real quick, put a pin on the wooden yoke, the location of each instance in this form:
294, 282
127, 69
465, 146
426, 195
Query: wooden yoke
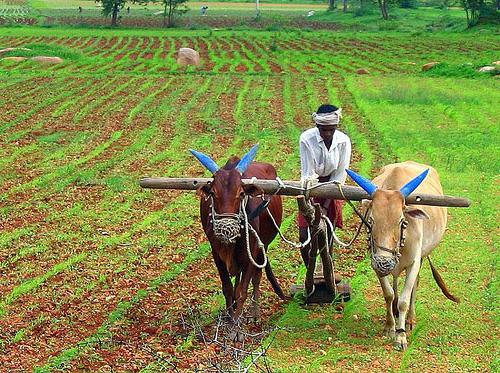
294, 188
317, 226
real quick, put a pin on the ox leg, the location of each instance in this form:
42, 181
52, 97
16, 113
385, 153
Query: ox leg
390, 322
255, 309
227, 285
241, 293
411, 319
404, 303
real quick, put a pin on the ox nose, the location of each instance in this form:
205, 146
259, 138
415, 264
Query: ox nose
383, 265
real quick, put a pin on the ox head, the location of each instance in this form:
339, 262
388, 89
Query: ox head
226, 193
388, 216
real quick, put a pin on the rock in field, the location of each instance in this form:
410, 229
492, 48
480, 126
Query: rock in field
188, 56
15, 59
429, 66
496, 63
362, 72
5, 50
46, 59
486, 69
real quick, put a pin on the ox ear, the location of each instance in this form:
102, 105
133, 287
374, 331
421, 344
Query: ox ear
366, 184
252, 190
204, 190
413, 184
416, 213
206, 161
247, 159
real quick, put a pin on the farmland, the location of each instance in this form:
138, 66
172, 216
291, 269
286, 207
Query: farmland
98, 274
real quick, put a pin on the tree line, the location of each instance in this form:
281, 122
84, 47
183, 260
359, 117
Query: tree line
477, 11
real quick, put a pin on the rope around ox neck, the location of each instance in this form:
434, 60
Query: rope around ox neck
248, 228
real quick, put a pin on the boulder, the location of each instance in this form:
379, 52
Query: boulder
486, 69
188, 56
429, 66
362, 72
15, 59
496, 63
46, 59
5, 50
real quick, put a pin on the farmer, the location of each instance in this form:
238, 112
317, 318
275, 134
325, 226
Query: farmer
325, 153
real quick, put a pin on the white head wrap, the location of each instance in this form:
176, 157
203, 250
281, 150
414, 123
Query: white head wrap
328, 119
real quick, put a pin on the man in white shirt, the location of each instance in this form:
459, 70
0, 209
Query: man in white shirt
325, 153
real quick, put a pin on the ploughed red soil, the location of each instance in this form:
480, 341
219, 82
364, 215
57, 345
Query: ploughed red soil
51, 311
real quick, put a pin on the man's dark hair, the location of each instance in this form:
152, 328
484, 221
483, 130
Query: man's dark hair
326, 108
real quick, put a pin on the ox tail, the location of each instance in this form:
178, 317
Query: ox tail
441, 284
274, 283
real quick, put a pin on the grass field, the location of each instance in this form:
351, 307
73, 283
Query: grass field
98, 274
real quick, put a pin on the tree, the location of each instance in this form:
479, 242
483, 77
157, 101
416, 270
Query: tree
383, 9
112, 7
170, 9
481, 11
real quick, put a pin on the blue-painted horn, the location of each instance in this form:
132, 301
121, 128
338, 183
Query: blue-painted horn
206, 161
366, 184
413, 184
247, 159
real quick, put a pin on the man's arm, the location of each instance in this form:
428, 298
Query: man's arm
306, 160
345, 159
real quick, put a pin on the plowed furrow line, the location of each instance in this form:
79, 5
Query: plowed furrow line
42, 105
116, 209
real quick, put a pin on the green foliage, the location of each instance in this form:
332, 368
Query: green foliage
113, 7
467, 70
171, 9
481, 11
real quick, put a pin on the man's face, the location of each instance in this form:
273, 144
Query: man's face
326, 132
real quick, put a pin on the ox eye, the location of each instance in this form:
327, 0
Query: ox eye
242, 195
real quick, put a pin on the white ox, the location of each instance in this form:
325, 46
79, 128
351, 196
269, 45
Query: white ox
400, 236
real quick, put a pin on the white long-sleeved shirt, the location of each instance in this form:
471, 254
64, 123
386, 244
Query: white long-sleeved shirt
316, 159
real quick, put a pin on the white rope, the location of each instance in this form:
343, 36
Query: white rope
293, 244
335, 238
257, 238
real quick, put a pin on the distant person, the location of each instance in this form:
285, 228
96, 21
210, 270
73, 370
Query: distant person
203, 10
128, 10
80, 9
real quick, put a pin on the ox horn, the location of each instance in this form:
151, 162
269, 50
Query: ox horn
247, 159
366, 184
413, 184
206, 161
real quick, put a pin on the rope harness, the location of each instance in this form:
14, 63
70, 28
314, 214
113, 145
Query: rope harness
383, 265
227, 228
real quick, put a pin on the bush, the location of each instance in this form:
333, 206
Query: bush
409, 4
466, 70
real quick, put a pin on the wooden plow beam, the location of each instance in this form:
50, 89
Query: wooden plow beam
294, 188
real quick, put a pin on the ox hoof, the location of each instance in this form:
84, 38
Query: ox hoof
400, 343
410, 324
235, 335
254, 314
389, 332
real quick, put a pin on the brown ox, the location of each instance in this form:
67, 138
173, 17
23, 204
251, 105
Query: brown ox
226, 204
401, 236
